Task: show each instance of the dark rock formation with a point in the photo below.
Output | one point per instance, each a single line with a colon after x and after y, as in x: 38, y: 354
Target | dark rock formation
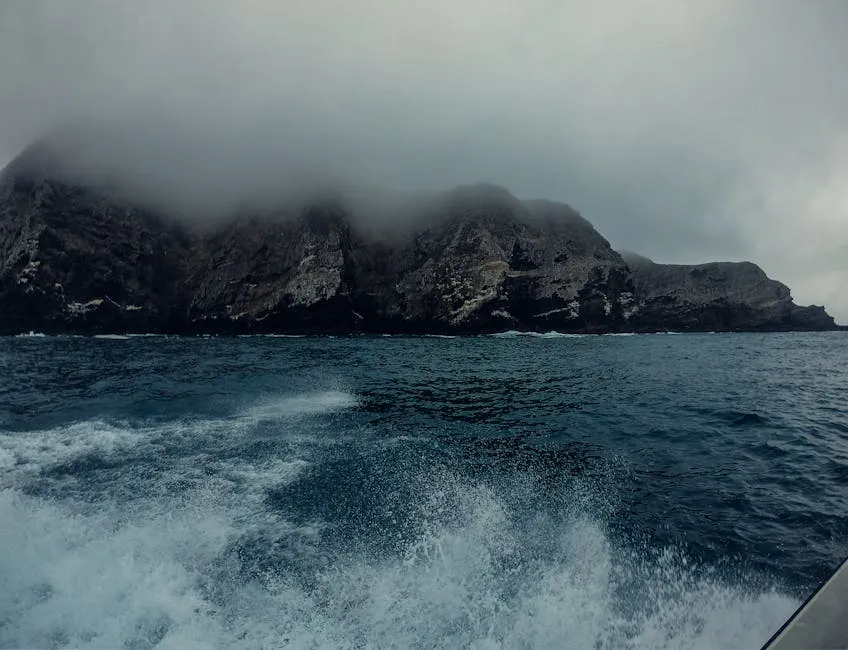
x: 73, y: 260
x: 484, y: 261
x: 716, y: 296
x: 475, y: 259
x: 277, y: 273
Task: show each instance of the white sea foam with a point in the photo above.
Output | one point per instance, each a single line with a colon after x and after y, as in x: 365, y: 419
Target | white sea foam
x: 72, y: 580
x: 471, y: 579
x: 112, y: 337
x: 35, y: 450
x: 24, y: 454
x: 215, y: 565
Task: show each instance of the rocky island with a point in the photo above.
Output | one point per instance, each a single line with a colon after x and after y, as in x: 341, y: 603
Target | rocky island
x: 78, y: 258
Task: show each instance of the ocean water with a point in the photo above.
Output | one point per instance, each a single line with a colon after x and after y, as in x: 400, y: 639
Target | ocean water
x: 511, y: 491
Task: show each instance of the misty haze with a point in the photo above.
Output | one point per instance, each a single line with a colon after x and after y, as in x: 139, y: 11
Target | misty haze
x: 367, y: 324
x: 686, y: 134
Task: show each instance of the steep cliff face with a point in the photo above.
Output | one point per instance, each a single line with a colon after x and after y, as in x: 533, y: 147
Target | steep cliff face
x: 489, y: 262
x: 281, y: 272
x: 475, y: 259
x: 481, y: 261
x: 716, y: 296
x: 72, y: 260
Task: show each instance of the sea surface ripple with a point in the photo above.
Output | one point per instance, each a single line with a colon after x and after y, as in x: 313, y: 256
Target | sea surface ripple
x: 510, y: 491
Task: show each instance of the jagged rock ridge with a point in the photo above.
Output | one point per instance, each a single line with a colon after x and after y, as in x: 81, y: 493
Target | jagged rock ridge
x: 78, y: 259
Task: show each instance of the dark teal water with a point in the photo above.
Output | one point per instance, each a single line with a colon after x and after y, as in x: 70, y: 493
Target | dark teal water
x: 654, y: 491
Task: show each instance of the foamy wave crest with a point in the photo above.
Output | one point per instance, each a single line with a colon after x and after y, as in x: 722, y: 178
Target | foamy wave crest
x: 474, y: 575
x: 31, y: 451
x: 25, y: 456
x: 58, y: 568
x: 28, y: 455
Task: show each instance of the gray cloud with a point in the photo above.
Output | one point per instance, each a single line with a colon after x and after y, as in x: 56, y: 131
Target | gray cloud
x: 685, y: 131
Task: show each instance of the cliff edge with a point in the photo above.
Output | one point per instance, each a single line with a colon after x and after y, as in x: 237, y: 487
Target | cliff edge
x: 80, y: 259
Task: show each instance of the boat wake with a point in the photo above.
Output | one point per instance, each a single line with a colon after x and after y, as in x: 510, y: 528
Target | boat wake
x: 212, y: 534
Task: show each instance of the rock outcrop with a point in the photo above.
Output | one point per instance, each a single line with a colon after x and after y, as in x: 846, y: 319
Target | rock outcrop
x: 717, y: 296
x: 475, y: 259
x: 481, y: 261
x: 73, y: 260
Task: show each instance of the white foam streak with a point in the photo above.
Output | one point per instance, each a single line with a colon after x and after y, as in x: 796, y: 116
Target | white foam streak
x: 24, y: 454
x: 32, y: 451
x: 300, y: 405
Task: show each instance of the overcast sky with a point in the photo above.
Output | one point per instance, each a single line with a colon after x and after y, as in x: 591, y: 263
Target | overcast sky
x: 686, y: 131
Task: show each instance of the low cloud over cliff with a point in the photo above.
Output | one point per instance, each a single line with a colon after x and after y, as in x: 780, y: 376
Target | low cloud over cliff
x: 684, y: 131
